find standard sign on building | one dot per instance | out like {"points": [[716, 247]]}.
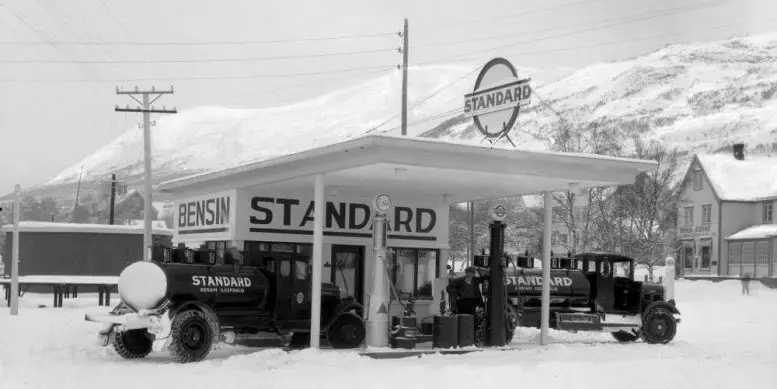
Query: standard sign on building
{"points": [[242, 215], [497, 98]]}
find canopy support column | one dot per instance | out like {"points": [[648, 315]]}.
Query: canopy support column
{"points": [[546, 245], [318, 253]]}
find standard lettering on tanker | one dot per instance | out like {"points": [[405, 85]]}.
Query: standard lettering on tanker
{"points": [[221, 284], [534, 283]]}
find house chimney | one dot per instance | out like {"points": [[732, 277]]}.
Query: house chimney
{"points": [[739, 151]]}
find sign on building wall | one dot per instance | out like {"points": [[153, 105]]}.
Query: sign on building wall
{"points": [[293, 216], [703, 231], [206, 214]]}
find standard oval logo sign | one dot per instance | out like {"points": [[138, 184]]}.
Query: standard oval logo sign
{"points": [[497, 98]]}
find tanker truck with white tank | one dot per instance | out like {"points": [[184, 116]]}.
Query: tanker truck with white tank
{"points": [[186, 302], [588, 292]]}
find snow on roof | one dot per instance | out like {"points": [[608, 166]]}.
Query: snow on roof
{"points": [[763, 231], [33, 226], [751, 179]]}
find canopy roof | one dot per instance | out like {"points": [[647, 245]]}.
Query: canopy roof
{"points": [[409, 166]]}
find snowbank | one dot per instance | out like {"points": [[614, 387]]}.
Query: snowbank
{"points": [[726, 340]]}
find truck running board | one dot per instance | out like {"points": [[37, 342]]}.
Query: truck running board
{"points": [[578, 322]]}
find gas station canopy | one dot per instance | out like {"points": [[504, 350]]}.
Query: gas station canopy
{"points": [[407, 166]]}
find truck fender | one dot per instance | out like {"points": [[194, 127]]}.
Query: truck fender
{"points": [[662, 304], [345, 308]]}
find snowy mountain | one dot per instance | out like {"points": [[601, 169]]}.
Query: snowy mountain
{"points": [[700, 97]]}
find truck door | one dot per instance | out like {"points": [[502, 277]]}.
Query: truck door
{"points": [[605, 295], [300, 288], [284, 276]]}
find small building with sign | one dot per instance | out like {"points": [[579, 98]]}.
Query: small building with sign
{"points": [[725, 218]]}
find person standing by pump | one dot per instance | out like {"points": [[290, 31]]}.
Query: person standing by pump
{"points": [[467, 292]]}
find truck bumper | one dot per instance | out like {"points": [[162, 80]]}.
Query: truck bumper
{"points": [[156, 324]]}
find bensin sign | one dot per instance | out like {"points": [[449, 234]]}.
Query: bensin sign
{"points": [[207, 214], [283, 215]]}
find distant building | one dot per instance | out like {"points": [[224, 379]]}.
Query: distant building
{"points": [[725, 218]]}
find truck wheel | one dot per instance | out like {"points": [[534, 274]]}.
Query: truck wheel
{"points": [[132, 344], [623, 336], [191, 337], [658, 326], [346, 332]]}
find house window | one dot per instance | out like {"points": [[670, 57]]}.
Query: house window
{"points": [[414, 271], [748, 252], [698, 180], [762, 252], [688, 216], [706, 214], [767, 212]]}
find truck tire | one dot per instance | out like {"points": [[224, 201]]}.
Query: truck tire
{"points": [[658, 326], [191, 337], [624, 336], [347, 331], [132, 344]]}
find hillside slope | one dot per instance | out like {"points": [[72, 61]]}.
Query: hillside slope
{"points": [[700, 97]]}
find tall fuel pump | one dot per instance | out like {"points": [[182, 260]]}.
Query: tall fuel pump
{"points": [[495, 319]]}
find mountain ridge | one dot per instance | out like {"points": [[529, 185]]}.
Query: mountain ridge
{"points": [[699, 97]]}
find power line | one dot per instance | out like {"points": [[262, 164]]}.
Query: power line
{"points": [[215, 60], [510, 16], [250, 76], [203, 43], [423, 100], [631, 40], [642, 17]]}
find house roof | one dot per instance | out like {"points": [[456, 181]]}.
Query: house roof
{"points": [[763, 231], [751, 179], [33, 226], [371, 164]]}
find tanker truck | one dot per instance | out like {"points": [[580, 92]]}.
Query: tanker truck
{"points": [[186, 302], [593, 291]]}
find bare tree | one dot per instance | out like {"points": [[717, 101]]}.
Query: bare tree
{"points": [[647, 209]]}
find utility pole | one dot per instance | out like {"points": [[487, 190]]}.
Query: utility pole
{"points": [[15, 252], [405, 48], [146, 108], [113, 198]]}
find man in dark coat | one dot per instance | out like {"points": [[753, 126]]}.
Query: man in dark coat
{"points": [[467, 292]]}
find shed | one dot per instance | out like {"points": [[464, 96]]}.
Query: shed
{"points": [[77, 249]]}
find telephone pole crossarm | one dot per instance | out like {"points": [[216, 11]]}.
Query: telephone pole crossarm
{"points": [[149, 110]]}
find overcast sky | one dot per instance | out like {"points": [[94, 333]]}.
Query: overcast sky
{"points": [[54, 114]]}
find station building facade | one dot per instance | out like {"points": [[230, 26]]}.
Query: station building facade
{"points": [[252, 222], [726, 223]]}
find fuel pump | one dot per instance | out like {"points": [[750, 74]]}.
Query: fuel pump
{"points": [[495, 320]]}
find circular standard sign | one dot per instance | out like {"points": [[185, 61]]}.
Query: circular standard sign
{"points": [[300, 298], [498, 212], [382, 202], [497, 98]]}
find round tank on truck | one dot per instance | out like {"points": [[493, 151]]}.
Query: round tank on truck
{"points": [[142, 285]]}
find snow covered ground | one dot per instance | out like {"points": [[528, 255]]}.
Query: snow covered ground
{"points": [[725, 341]]}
